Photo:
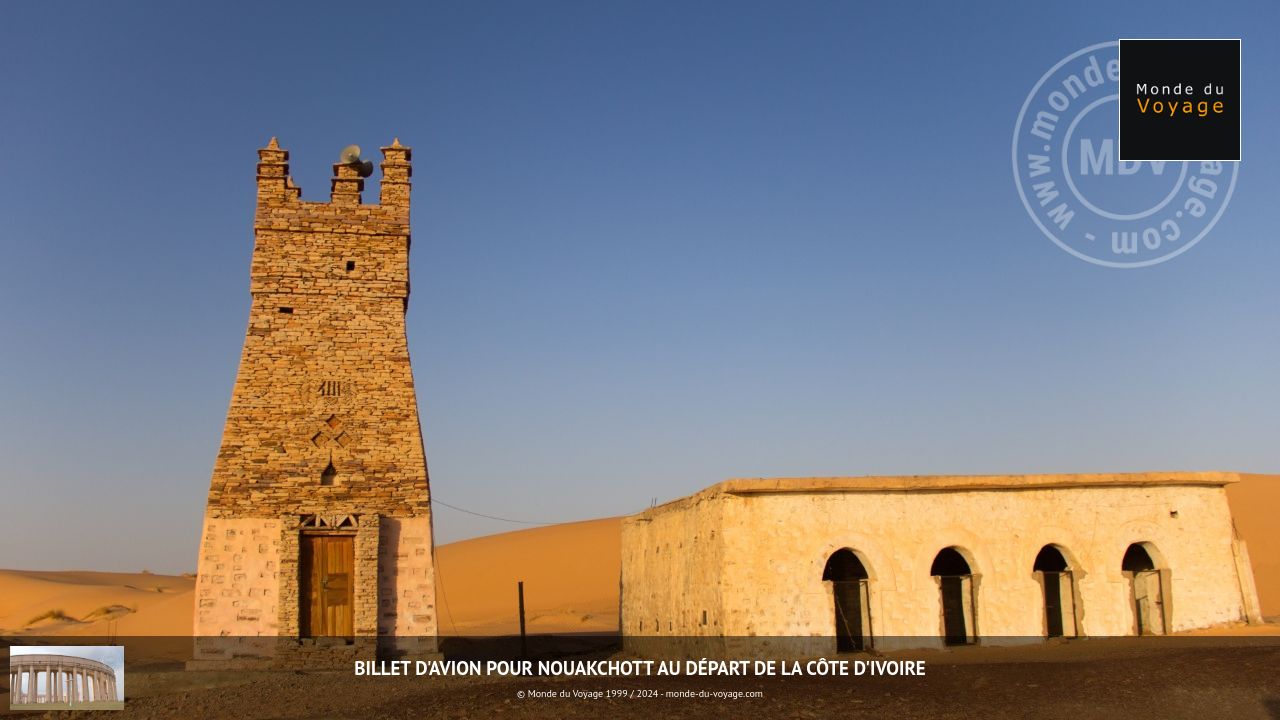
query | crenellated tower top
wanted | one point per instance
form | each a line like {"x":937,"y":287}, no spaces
{"x":276,"y":187}
{"x":335,"y":248}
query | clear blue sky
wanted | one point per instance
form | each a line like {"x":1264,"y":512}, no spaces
{"x":656,"y":245}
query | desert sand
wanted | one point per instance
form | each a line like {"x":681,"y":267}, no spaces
{"x":77,"y":602}
{"x":1255,"y":505}
{"x":570,"y":571}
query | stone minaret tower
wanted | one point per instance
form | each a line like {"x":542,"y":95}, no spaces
{"x":317,"y":542}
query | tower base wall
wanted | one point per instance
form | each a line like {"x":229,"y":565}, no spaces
{"x":249,"y":604}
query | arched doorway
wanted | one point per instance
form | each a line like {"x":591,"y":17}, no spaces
{"x":851,"y":593}
{"x":1055,"y":575}
{"x":955,"y":584}
{"x":1149,"y":587}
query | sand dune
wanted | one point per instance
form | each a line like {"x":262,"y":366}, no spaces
{"x":94,"y":603}
{"x":1255,"y":505}
{"x":570,"y":571}
{"x":570,"y":575}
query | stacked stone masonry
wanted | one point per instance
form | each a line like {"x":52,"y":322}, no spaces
{"x":322,"y":435}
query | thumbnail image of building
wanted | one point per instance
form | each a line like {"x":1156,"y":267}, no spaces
{"x":317,"y":540}
{"x":855,"y":563}
{"x":59,"y":678}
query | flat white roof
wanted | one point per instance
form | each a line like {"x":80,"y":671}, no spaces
{"x":947,"y":483}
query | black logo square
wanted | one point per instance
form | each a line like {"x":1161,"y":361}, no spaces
{"x":1179,"y":99}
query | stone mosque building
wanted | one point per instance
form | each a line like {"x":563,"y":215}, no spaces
{"x":317,"y":540}
{"x":819,"y":565}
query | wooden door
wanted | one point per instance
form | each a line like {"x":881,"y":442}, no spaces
{"x":970,"y":621}
{"x":328,"y":586}
{"x":850,"y":614}
{"x":957,"y":614}
{"x":1052,"y":603}
{"x":1148,"y":602}
{"x":864,"y":607}
{"x":1068,"y":604}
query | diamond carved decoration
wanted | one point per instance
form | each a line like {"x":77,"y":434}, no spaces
{"x":331,"y":433}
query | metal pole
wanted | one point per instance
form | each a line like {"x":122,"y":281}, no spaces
{"x":524,"y":648}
